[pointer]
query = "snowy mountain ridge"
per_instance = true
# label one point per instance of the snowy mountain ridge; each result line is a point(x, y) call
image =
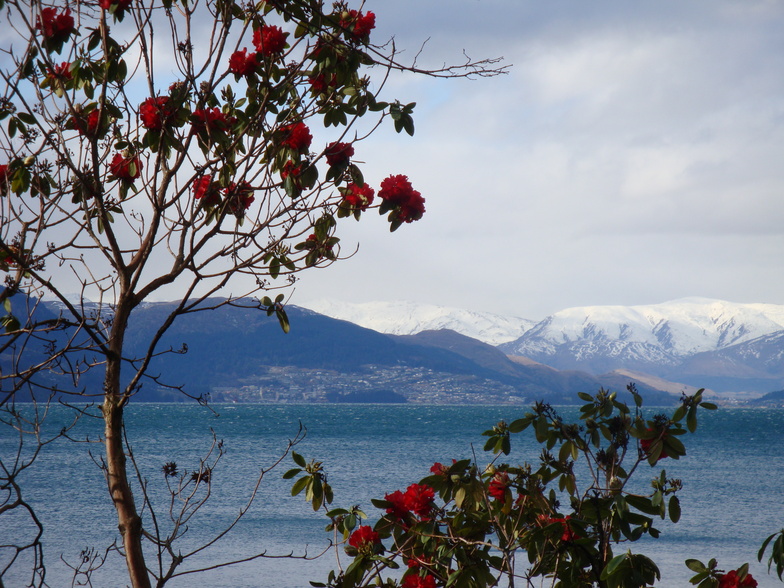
point(674, 329)
point(409, 318)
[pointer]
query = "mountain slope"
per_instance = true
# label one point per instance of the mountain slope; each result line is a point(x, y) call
point(599, 338)
point(408, 318)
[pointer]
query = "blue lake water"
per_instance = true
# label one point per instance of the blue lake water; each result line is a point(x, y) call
point(733, 495)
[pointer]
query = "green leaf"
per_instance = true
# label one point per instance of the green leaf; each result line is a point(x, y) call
point(291, 473)
point(299, 486)
point(675, 509)
point(298, 459)
point(696, 565)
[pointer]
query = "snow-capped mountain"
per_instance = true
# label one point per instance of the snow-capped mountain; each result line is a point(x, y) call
point(598, 338)
point(409, 318)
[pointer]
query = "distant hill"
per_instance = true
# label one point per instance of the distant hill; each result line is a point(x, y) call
point(237, 353)
point(699, 342)
point(409, 318)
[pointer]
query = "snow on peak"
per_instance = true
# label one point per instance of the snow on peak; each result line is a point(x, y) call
point(678, 327)
point(409, 318)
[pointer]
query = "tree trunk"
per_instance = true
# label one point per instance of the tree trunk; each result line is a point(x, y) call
point(128, 519)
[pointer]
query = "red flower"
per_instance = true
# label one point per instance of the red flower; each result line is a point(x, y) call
point(498, 485)
point(567, 533)
point(339, 153)
point(439, 469)
point(242, 64)
point(155, 112)
point(419, 499)
point(124, 168)
point(731, 580)
point(297, 136)
point(59, 72)
point(417, 581)
point(358, 24)
point(3, 177)
point(269, 40)
point(89, 126)
point(214, 119)
point(121, 5)
point(291, 169)
point(364, 536)
point(399, 509)
point(321, 85)
point(358, 197)
point(240, 197)
point(55, 27)
point(646, 444)
point(397, 191)
point(207, 191)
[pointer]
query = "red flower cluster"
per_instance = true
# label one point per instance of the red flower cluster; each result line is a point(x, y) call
point(498, 485)
point(568, 534)
point(89, 126)
point(124, 168)
point(731, 580)
point(417, 499)
point(339, 153)
point(646, 444)
point(3, 177)
point(297, 136)
point(417, 581)
point(207, 191)
point(121, 5)
point(269, 40)
point(55, 26)
point(358, 197)
point(364, 537)
point(155, 112)
point(59, 72)
point(358, 24)
point(397, 191)
point(242, 64)
point(321, 85)
point(240, 197)
point(206, 119)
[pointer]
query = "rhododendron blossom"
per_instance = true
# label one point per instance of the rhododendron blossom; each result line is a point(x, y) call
point(3, 177)
point(731, 580)
point(90, 125)
point(417, 499)
point(55, 26)
point(339, 153)
point(121, 5)
point(397, 191)
point(240, 197)
point(364, 536)
point(358, 197)
point(498, 485)
point(207, 191)
point(124, 168)
point(320, 84)
point(358, 24)
point(243, 64)
point(211, 119)
point(567, 533)
point(155, 112)
point(269, 40)
point(296, 136)
point(646, 445)
point(59, 72)
point(417, 581)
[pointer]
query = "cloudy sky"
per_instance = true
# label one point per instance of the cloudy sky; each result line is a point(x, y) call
point(633, 154)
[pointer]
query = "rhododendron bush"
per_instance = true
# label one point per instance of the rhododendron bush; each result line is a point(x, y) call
point(173, 147)
point(570, 520)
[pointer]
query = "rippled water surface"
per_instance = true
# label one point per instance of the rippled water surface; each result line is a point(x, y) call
point(732, 499)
